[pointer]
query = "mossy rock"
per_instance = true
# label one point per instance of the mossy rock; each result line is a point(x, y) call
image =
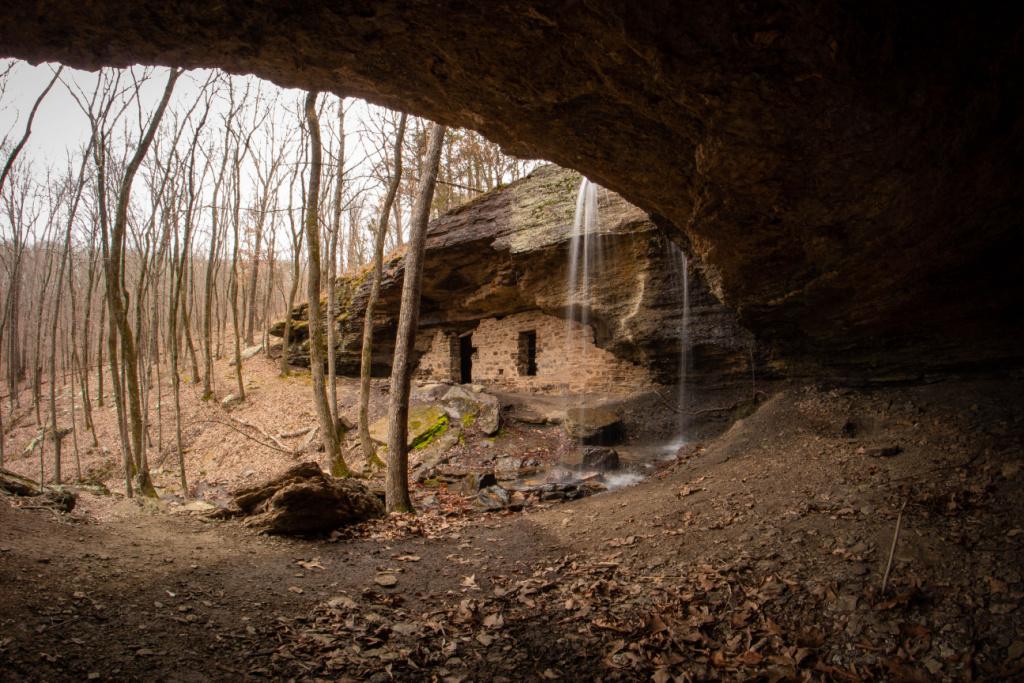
point(425, 424)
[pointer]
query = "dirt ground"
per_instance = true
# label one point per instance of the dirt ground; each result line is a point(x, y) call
point(757, 555)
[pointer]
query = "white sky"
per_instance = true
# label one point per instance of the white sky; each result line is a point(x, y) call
point(60, 125)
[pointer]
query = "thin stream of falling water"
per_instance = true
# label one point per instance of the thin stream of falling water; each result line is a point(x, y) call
point(684, 339)
point(585, 263)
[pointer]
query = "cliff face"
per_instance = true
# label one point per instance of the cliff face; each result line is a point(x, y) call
point(848, 173)
point(508, 252)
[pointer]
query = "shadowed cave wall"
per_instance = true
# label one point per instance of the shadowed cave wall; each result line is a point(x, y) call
point(849, 174)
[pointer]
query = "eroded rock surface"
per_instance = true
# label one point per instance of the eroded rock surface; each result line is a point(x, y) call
point(508, 252)
point(847, 172)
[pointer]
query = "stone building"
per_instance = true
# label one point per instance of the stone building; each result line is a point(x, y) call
point(497, 310)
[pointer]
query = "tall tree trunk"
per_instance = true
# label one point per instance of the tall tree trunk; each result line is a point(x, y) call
point(186, 315)
point(271, 276)
point(332, 268)
point(58, 297)
point(366, 355)
point(328, 426)
point(293, 290)
point(233, 283)
point(83, 360)
point(116, 296)
point(250, 316)
point(396, 486)
point(99, 354)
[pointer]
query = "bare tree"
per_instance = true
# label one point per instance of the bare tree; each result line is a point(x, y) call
point(179, 266)
point(396, 487)
point(296, 232)
point(366, 357)
point(116, 295)
point(334, 230)
point(328, 426)
point(78, 184)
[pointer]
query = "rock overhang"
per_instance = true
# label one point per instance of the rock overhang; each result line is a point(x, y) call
point(849, 174)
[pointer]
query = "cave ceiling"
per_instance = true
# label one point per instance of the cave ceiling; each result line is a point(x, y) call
point(850, 174)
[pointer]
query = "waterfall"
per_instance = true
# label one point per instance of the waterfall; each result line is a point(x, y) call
point(684, 337)
point(585, 264)
point(681, 279)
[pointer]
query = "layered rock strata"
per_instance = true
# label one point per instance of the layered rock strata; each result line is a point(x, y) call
point(499, 265)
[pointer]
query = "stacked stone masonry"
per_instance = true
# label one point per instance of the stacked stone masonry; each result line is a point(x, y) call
point(566, 357)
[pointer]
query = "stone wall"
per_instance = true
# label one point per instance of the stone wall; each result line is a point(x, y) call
point(566, 357)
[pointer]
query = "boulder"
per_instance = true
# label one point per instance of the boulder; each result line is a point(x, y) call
point(593, 425)
point(304, 501)
point(430, 392)
point(251, 351)
point(507, 467)
point(600, 458)
point(556, 491)
point(494, 498)
point(425, 423)
point(472, 406)
point(248, 353)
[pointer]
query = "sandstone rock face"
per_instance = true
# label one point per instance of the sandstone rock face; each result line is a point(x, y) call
point(507, 254)
point(848, 173)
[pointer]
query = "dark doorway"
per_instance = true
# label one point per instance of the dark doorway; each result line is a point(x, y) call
point(527, 357)
point(466, 359)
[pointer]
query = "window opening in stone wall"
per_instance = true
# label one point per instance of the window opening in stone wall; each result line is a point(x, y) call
point(527, 358)
point(466, 359)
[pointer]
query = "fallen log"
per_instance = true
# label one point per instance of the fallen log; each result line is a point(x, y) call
point(55, 497)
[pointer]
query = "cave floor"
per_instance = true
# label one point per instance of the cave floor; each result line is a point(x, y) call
point(758, 553)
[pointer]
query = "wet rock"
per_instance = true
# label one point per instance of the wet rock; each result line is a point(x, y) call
point(471, 406)
point(553, 491)
point(494, 498)
point(302, 501)
point(600, 458)
point(593, 425)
